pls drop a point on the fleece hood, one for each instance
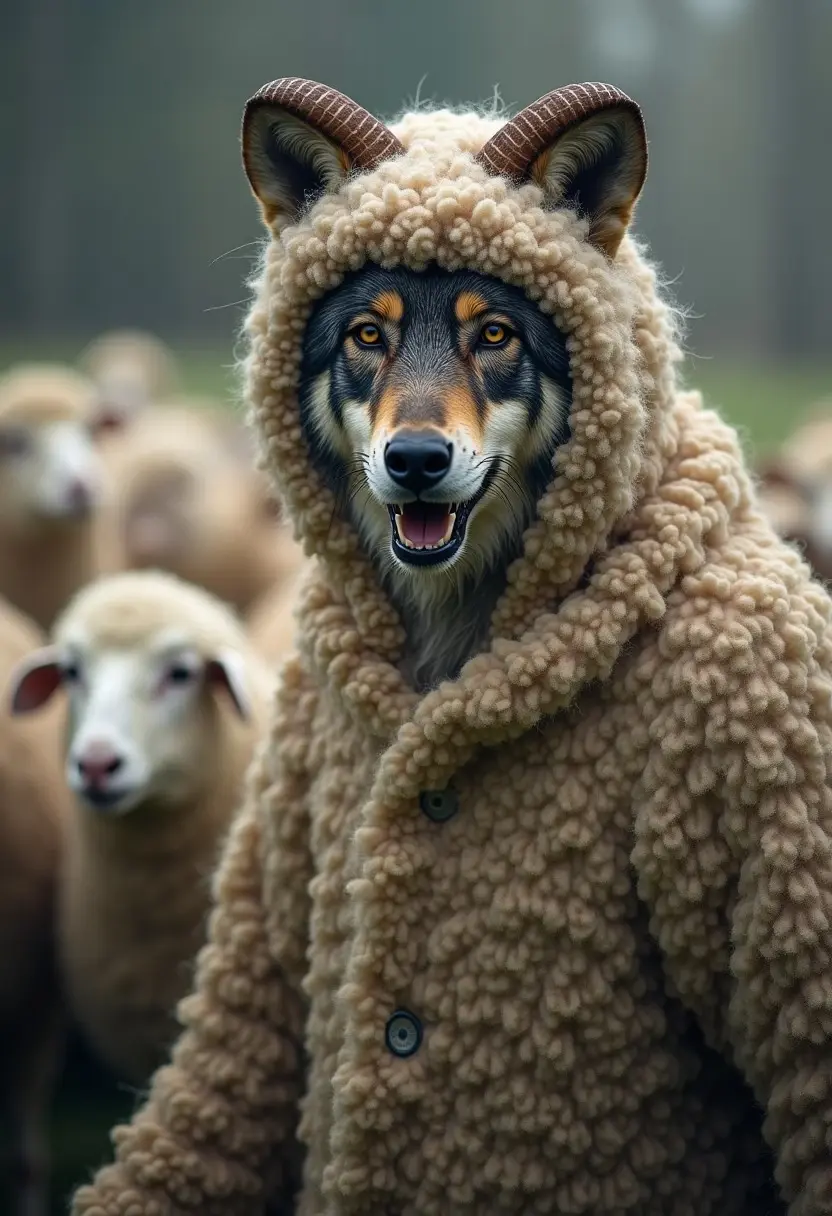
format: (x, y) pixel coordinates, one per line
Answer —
(436, 202)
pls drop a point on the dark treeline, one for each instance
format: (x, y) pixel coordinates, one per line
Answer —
(122, 192)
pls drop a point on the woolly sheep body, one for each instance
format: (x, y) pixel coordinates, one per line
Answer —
(136, 885)
(33, 803)
(272, 622)
(796, 490)
(50, 544)
(188, 499)
(131, 369)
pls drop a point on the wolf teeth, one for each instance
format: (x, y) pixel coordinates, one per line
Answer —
(439, 544)
(449, 533)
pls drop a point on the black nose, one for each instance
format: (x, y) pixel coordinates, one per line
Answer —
(418, 462)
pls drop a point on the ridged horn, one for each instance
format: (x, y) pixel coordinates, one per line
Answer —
(513, 149)
(364, 138)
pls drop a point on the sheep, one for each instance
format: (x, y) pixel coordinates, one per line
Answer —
(131, 369)
(187, 499)
(34, 804)
(795, 490)
(166, 704)
(51, 488)
(271, 623)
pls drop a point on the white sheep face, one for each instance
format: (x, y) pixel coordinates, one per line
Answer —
(142, 720)
(48, 471)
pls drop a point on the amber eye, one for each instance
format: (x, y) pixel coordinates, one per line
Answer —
(367, 335)
(494, 334)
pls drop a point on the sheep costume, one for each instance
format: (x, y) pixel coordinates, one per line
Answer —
(556, 936)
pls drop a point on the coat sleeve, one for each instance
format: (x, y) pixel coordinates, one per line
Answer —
(734, 856)
(217, 1130)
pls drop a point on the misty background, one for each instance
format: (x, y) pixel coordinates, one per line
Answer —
(124, 201)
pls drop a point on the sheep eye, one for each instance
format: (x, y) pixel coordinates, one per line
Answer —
(71, 673)
(14, 441)
(178, 673)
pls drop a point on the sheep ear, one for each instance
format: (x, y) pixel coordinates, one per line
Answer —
(775, 473)
(227, 671)
(107, 420)
(34, 680)
(586, 147)
(301, 139)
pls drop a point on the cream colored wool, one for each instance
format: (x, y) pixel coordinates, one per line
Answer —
(271, 623)
(44, 562)
(182, 469)
(636, 889)
(796, 489)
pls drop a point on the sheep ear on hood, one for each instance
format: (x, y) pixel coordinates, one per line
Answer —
(301, 139)
(586, 147)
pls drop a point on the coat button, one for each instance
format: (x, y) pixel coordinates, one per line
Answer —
(439, 805)
(403, 1034)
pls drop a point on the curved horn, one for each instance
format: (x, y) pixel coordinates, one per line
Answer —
(514, 148)
(364, 138)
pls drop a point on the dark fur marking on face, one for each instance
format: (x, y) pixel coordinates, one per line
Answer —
(473, 363)
(427, 359)
(435, 316)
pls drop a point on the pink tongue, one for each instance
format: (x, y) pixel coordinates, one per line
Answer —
(424, 523)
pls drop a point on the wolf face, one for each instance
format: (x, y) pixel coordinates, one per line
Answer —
(433, 403)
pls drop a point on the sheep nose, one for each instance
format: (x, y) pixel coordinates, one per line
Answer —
(78, 496)
(418, 462)
(98, 764)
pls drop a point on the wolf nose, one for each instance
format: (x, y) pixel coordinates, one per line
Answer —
(418, 463)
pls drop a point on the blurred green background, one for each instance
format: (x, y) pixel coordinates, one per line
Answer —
(123, 202)
(119, 131)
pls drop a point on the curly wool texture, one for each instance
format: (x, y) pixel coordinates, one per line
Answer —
(619, 945)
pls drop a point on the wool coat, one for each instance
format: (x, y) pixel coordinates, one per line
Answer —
(555, 936)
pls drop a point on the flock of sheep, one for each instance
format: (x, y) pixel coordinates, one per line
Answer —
(796, 489)
(147, 587)
(146, 593)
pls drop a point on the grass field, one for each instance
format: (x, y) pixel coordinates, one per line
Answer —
(764, 402)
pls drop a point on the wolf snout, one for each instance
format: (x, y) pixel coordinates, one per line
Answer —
(418, 462)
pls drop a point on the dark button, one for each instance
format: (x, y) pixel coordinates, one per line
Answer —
(403, 1033)
(439, 805)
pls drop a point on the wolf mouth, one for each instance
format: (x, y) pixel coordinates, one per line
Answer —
(428, 533)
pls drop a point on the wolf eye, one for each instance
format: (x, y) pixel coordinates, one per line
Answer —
(494, 334)
(367, 335)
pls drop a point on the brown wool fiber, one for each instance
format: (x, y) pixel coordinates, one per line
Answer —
(631, 909)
